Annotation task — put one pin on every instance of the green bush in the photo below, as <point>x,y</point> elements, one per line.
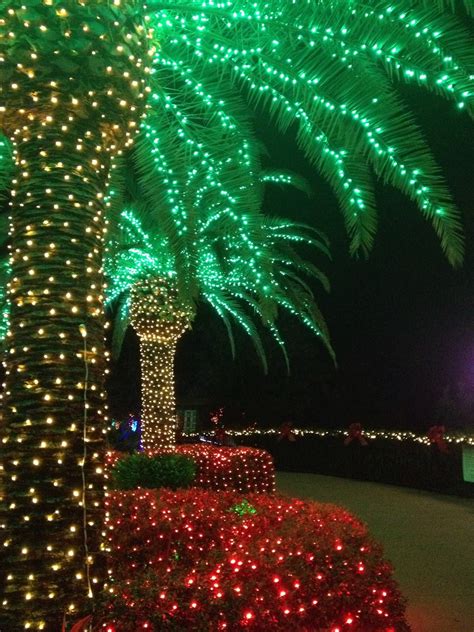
<point>164,470</point>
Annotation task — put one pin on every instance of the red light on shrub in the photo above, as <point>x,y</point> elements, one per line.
<point>176,555</point>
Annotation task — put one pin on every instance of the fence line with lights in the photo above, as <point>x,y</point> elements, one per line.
<point>394,435</point>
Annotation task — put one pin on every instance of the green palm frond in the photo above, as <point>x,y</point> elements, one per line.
<point>246,276</point>
<point>121,323</point>
<point>231,306</point>
<point>295,232</point>
<point>452,5</point>
<point>223,316</point>
<point>6,175</point>
<point>4,302</point>
<point>285,178</point>
<point>331,70</point>
<point>281,343</point>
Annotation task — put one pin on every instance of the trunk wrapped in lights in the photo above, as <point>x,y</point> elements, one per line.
<point>160,319</point>
<point>72,92</point>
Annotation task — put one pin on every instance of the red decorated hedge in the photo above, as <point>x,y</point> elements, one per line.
<point>239,469</point>
<point>206,561</point>
<point>226,468</point>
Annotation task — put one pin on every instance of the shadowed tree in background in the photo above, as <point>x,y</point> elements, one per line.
<point>73,87</point>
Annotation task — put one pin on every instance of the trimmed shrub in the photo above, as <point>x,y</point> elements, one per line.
<point>207,561</point>
<point>240,469</point>
<point>152,472</point>
<point>232,468</point>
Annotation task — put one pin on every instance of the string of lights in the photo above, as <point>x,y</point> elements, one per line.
<point>87,564</point>
<point>188,558</point>
<point>341,433</point>
<point>159,319</point>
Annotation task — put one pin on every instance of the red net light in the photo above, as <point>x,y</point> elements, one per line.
<point>182,559</point>
<point>240,469</point>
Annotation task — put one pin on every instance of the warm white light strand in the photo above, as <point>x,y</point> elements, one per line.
<point>90,594</point>
<point>395,435</point>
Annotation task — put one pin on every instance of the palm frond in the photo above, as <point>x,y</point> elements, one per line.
<point>331,70</point>
<point>230,305</point>
<point>228,325</point>
<point>285,178</point>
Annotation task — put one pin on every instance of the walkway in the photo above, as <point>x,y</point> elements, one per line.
<point>429,538</point>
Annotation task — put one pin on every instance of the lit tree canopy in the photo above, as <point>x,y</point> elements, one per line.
<point>330,70</point>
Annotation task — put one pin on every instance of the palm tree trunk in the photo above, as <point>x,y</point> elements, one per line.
<point>158,393</point>
<point>73,86</point>
<point>54,396</point>
<point>160,318</point>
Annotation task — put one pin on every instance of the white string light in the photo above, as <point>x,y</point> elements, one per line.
<point>83,330</point>
<point>395,435</point>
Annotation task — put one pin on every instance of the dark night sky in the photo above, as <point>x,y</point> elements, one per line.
<point>402,322</point>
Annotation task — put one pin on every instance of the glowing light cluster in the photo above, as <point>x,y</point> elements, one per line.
<point>252,271</point>
<point>75,80</point>
<point>239,469</point>
<point>335,83</point>
<point>183,559</point>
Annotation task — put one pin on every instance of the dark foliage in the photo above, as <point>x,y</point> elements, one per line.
<point>165,470</point>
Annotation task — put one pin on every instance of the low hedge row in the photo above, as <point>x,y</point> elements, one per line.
<point>404,463</point>
<point>243,469</point>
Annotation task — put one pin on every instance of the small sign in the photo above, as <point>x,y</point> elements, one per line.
<point>468,463</point>
<point>190,421</point>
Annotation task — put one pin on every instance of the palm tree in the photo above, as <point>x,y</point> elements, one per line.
<point>75,81</point>
<point>73,91</point>
<point>73,88</point>
<point>240,283</point>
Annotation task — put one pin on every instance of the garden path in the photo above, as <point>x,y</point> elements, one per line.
<point>429,538</point>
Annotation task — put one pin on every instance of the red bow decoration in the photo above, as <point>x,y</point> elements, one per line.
<point>436,437</point>
<point>355,434</point>
<point>286,432</point>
